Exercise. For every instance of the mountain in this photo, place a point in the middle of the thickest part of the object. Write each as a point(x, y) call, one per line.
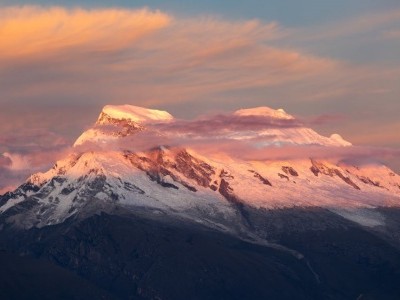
point(105, 172)
point(142, 190)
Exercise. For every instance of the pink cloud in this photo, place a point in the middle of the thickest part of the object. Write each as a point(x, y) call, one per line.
point(5, 162)
point(211, 135)
point(224, 123)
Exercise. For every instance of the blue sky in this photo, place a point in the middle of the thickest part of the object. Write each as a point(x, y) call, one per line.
point(289, 12)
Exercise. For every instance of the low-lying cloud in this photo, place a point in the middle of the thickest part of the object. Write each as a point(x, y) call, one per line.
point(238, 137)
point(226, 123)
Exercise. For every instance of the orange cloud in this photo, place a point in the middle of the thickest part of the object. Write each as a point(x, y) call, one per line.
point(188, 59)
point(30, 30)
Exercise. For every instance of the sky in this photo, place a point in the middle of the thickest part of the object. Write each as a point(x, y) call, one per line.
point(333, 63)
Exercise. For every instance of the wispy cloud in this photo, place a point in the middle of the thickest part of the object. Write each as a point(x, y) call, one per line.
point(73, 51)
point(199, 136)
point(31, 30)
point(216, 125)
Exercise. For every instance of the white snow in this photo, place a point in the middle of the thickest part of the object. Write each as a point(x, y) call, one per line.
point(264, 111)
point(338, 139)
point(10, 203)
point(136, 113)
point(362, 216)
point(285, 136)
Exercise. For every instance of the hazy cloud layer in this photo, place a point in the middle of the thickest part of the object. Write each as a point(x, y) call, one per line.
point(223, 134)
point(225, 123)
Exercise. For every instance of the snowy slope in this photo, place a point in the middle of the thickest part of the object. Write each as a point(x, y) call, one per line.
point(297, 136)
point(181, 181)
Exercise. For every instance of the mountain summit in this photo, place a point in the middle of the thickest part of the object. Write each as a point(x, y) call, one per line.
point(133, 113)
point(264, 111)
point(106, 170)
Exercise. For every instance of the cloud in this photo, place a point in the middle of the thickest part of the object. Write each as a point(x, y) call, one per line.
point(228, 134)
point(213, 144)
point(18, 162)
point(30, 150)
point(32, 30)
point(97, 54)
point(9, 178)
point(216, 125)
point(5, 162)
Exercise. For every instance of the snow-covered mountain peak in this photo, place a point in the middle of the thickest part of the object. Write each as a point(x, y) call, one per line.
point(117, 121)
point(133, 113)
point(264, 111)
point(120, 161)
point(291, 132)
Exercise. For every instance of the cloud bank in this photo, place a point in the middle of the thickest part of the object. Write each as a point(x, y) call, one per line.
point(247, 138)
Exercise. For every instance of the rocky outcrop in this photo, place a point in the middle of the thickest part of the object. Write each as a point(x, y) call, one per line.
point(283, 176)
point(193, 168)
point(261, 178)
point(157, 165)
point(320, 168)
point(290, 171)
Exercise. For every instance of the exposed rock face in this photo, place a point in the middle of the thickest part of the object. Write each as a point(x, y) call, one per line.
point(157, 164)
point(320, 168)
point(24, 190)
point(226, 191)
point(194, 168)
point(290, 171)
point(121, 128)
point(367, 180)
point(261, 178)
point(283, 176)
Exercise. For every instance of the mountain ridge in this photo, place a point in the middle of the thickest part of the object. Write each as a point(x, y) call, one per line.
point(181, 179)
